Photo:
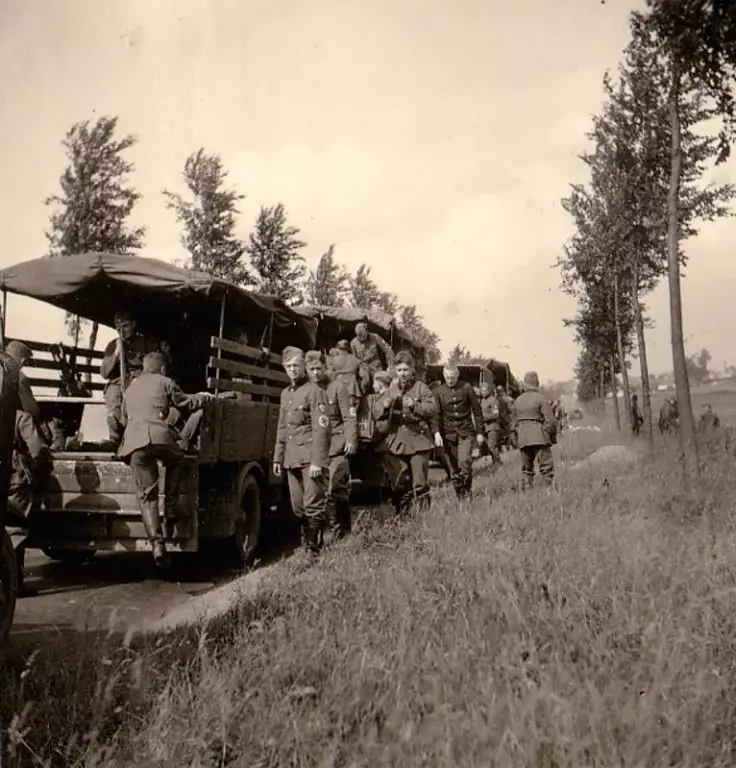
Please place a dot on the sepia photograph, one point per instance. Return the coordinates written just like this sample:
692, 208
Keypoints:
367, 393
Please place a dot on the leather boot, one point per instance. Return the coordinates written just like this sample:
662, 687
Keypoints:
152, 523
23, 590
312, 536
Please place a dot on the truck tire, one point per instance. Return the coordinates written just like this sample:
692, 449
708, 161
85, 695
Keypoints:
247, 533
8, 584
69, 556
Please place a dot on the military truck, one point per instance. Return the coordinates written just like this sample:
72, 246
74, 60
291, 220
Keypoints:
222, 339
495, 371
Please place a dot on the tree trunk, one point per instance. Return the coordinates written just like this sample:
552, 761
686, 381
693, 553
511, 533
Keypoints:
614, 394
601, 408
92, 343
621, 351
646, 394
686, 431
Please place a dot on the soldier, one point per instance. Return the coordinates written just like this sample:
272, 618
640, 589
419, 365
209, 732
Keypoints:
534, 425
346, 367
343, 415
708, 421
371, 349
490, 408
303, 447
31, 464
460, 420
22, 355
505, 418
135, 347
411, 409
150, 438
668, 416
636, 418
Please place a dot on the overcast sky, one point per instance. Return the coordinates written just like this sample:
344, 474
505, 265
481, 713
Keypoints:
431, 139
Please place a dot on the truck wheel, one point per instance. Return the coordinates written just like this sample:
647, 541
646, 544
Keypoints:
8, 584
69, 556
248, 521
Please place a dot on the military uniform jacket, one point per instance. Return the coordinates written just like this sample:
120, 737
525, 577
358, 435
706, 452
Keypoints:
410, 427
459, 410
370, 350
491, 410
28, 448
303, 433
343, 416
345, 369
135, 350
27, 400
147, 402
533, 420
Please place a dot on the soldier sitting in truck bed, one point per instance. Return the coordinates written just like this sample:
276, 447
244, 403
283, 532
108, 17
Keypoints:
135, 347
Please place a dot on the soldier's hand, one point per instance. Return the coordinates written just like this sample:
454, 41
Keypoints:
349, 449
314, 471
480, 439
438, 440
407, 402
277, 469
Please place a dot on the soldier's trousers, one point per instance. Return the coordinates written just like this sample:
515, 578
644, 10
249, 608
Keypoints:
541, 453
408, 476
308, 500
144, 464
338, 496
114, 404
20, 500
460, 453
493, 436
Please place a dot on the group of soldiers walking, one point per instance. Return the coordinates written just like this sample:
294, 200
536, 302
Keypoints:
317, 430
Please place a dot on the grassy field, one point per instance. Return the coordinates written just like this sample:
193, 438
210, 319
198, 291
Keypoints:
589, 625
721, 396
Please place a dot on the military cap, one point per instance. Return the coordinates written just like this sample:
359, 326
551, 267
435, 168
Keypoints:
313, 356
531, 379
292, 353
344, 344
18, 351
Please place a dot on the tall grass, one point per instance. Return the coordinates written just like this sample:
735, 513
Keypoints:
589, 625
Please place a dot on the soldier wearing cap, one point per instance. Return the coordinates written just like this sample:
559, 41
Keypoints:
411, 409
149, 438
491, 410
346, 367
534, 427
371, 349
303, 447
460, 426
343, 414
135, 346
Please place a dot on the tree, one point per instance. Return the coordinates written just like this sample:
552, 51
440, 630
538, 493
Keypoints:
327, 283
462, 356
388, 302
697, 366
274, 250
91, 213
413, 323
695, 43
363, 291
209, 220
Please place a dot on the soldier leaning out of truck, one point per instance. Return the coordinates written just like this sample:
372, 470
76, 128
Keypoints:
31, 464
343, 415
135, 347
303, 447
149, 438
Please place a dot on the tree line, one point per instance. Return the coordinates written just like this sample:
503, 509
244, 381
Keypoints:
666, 120
92, 213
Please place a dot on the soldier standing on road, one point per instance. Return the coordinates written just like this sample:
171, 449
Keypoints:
150, 438
412, 410
491, 420
534, 425
303, 447
343, 417
460, 427
371, 349
135, 346
636, 418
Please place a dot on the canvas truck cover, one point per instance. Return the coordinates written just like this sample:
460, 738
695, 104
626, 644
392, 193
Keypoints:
97, 285
335, 323
474, 374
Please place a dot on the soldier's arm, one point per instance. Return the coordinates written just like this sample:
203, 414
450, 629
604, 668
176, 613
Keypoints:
425, 406
349, 414
110, 365
29, 434
477, 411
548, 416
182, 401
280, 446
321, 432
